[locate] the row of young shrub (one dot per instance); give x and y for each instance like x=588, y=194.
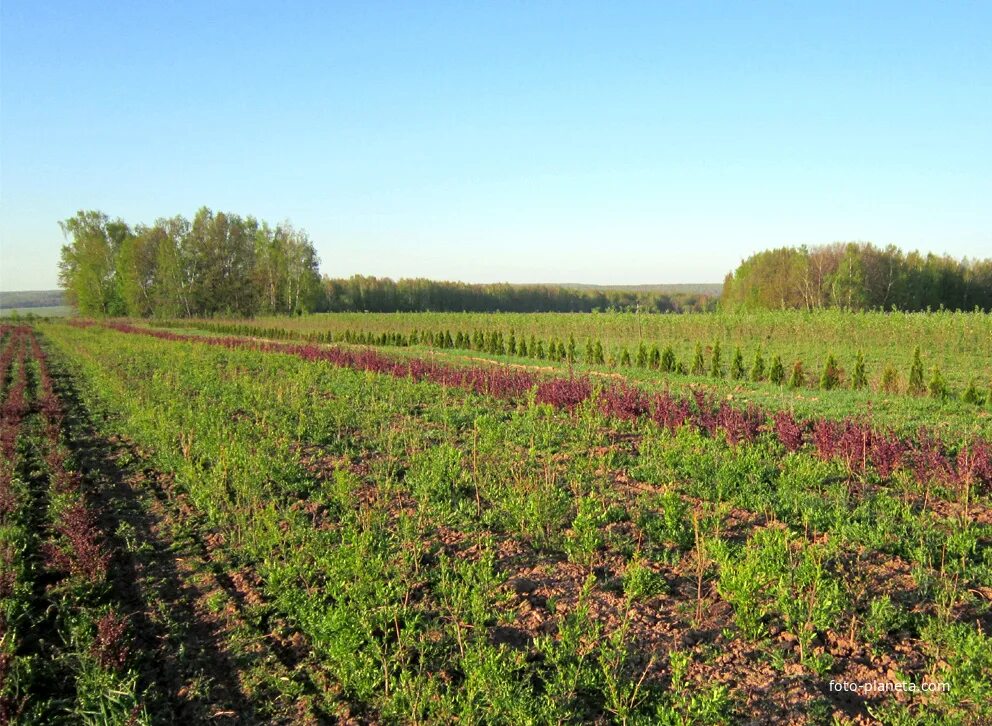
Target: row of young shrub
x=64, y=651
x=706, y=361
x=626, y=402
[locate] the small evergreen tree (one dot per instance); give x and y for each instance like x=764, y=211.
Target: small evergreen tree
x=937, y=385
x=916, y=373
x=716, y=369
x=448, y=342
x=642, y=355
x=737, y=365
x=777, y=372
x=668, y=359
x=589, y=350
x=758, y=367
x=572, y=350
x=597, y=353
x=860, y=378
x=511, y=344
x=890, y=379
x=698, y=366
x=654, y=360
x=625, y=358
x=830, y=378
x=971, y=394
x=532, y=347
x=522, y=348
x=540, y=349
x=798, y=377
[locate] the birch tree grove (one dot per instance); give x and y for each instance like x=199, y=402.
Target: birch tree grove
x=216, y=264
x=858, y=276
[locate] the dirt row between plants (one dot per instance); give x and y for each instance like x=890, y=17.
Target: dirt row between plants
x=205, y=652
x=765, y=691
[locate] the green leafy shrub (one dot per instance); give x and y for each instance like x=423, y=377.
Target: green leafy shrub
x=640, y=581
x=584, y=539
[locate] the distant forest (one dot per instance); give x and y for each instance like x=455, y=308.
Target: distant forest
x=857, y=276
x=220, y=264
x=381, y=294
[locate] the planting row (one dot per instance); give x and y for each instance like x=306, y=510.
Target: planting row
x=711, y=361
x=447, y=554
x=64, y=643
x=859, y=444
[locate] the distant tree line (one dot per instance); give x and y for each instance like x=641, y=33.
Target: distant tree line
x=858, y=276
x=382, y=294
x=216, y=264
x=221, y=264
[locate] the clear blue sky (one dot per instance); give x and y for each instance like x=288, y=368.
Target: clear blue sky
x=587, y=142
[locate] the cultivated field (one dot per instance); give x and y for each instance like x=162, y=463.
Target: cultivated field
x=409, y=519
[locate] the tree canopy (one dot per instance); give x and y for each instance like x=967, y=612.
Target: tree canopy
x=857, y=276
x=218, y=263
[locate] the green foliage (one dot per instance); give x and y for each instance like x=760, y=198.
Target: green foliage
x=971, y=393
x=597, y=353
x=777, y=372
x=882, y=619
x=698, y=366
x=890, y=379
x=584, y=539
x=830, y=377
x=654, y=359
x=776, y=576
x=937, y=386
x=640, y=581
x=856, y=276
x=758, y=367
x=859, y=379
x=716, y=369
x=668, y=363
x=737, y=371
x=642, y=355
x=797, y=379
x=217, y=264
x=916, y=374
x=382, y=556
x=664, y=520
